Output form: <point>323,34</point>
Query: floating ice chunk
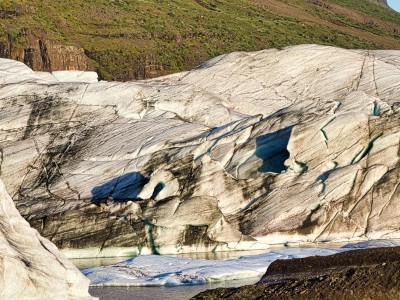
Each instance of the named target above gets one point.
<point>153,270</point>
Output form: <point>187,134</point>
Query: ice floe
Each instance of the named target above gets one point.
<point>155,270</point>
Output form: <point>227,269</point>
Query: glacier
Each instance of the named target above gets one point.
<point>290,146</point>
<point>31,267</point>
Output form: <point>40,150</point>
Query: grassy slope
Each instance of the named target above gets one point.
<point>140,38</point>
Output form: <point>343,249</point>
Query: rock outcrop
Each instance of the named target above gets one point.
<point>384,2</point>
<point>44,55</point>
<point>249,149</point>
<point>31,267</point>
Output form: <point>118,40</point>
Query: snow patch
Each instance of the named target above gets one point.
<point>76,76</point>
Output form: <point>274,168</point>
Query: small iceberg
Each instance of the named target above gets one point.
<point>154,270</point>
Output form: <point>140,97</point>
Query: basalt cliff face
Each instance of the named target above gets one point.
<point>44,55</point>
<point>249,149</point>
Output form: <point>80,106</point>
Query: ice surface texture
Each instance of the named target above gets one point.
<point>251,149</point>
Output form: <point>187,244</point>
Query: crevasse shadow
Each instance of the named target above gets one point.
<point>272,149</point>
<point>122,188</point>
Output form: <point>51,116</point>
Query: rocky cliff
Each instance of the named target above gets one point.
<point>384,2</point>
<point>44,55</point>
<point>247,150</point>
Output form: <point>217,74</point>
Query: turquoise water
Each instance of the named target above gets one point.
<point>160,293</point>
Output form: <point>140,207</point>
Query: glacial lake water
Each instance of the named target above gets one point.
<point>186,292</point>
<point>163,293</point>
<point>160,293</point>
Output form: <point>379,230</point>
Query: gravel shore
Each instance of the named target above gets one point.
<point>359,274</point>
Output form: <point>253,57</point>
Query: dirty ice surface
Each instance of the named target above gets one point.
<point>153,270</point>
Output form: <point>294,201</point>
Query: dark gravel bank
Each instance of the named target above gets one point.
<point>359,274</point>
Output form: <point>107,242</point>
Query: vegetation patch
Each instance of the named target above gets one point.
<point>143,39</point>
